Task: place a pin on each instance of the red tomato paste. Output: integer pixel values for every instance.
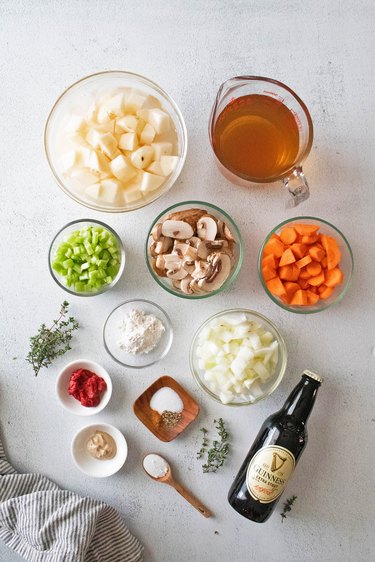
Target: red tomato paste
(86, 387)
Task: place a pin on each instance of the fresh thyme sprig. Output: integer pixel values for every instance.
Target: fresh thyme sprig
(204, 445)
(50, 343)
(287, 507)
(219, 451)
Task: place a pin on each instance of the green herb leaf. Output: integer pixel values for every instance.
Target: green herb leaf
(53, 342)
(219, 451)
(287, 507)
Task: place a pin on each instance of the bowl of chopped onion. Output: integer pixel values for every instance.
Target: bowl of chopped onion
(238, 357)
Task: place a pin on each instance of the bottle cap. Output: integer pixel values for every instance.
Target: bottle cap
(313, 376)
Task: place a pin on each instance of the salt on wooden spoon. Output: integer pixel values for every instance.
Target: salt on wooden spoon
(160, 470)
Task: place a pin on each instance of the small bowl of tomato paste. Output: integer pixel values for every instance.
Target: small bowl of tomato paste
(84, 387)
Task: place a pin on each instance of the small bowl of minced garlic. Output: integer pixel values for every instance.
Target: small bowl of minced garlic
(138, 333)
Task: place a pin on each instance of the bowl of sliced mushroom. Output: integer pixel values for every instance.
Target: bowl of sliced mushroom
(194, 250)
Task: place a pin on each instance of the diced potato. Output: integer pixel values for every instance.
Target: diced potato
(142, 157)
(75, 124)
(97, 161)
(148, 134)
(155, 168)
(70, 159)
(130, 124)
(93, 191)
(161, 149)
(150, 182)
(93, 137)
(84, 176)
(131, 193)
(110, 189)
(122, 169)
(128, 141)
(108, 144)
(134, 101)
(159, 119)
(168, 164)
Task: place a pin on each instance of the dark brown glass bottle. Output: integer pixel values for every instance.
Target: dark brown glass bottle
(272, 458)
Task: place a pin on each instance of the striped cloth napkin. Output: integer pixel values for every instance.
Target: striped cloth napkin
(45, 524)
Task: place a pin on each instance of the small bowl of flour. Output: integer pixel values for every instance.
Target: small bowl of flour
(138, 333)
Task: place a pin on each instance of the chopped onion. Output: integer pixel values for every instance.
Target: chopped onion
(237, 356)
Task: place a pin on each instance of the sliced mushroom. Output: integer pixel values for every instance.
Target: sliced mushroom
(156, 232)
(207, 228)
(163, 245)
(190, 216)
(201, 270)
(185, 285)
(180, 248)
(221, 267)
(193, 241)
(159, 271)
(202, 250)
(152, 250)
(177, 273)
(227, 233)
(160, 262)
(191, 252)
(177, 229)
(171, 261)
(188, 264)
(220, 229)
(193, 285)
(176, 283)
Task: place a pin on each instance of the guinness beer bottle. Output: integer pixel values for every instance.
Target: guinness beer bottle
(272, 458)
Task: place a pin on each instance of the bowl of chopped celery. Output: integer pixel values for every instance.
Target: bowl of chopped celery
(86, 257)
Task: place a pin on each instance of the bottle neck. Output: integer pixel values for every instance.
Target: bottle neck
(301, 400)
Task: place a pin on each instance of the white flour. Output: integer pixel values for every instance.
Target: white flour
(140, 332)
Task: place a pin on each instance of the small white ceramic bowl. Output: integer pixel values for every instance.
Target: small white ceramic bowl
(94, 467)
(69, 402)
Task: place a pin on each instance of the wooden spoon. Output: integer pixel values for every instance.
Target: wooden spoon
(167, 478)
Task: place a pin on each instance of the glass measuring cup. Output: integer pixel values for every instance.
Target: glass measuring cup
(292, 176)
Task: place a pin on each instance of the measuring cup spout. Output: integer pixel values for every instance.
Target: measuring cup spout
(297, 185)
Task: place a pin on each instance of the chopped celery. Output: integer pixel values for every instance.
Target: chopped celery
(88, 259)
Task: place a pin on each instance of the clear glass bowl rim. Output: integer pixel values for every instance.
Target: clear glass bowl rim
(183, 141)
(283, 350)
(169, 327)
(233, 276)
(106, 287)
(303, 310)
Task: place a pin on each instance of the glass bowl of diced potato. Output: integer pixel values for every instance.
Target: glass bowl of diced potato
(115, 141)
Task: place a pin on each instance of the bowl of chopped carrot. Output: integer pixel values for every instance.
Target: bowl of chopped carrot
(305, 265)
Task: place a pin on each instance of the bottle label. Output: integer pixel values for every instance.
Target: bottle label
(268, 473)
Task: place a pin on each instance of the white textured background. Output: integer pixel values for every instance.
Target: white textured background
(325, 51)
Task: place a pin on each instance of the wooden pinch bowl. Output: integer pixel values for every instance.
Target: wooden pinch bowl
(152, 419)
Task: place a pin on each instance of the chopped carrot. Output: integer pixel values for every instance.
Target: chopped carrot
(287, 258)
(314, 268)
(268, 272)
(299, 298)
(299, 250)
(304, 283)
(275, 247)
(312, 298)
(310, 239)
(317, 280)
(288, 235)
(332, 250)
(326, 293)
(274, 235)
(269, 260)
(303, 261)
(289, 272)
(276, 287)
(333, 277)
(291, 288)
(300, 266)
(304, 274)
(317, 253)
(306, 229)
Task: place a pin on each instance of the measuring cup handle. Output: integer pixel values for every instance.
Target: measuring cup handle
(297, 186)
